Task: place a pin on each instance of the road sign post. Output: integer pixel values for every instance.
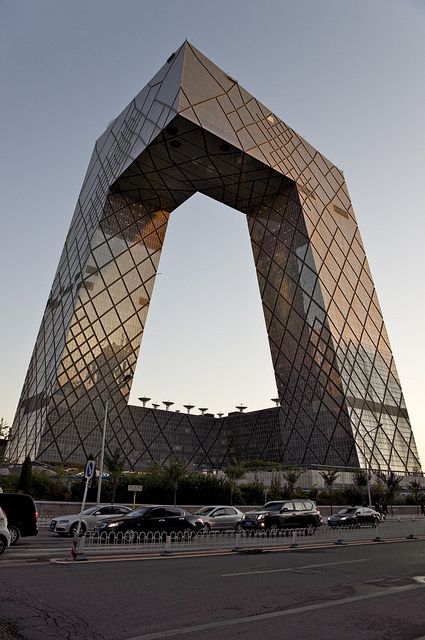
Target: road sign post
(77, 544)
(135, 488)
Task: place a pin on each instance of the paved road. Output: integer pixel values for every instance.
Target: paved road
(44, 545)
(371, 592)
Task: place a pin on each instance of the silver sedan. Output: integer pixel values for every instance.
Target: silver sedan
(64, 525)
(219, 517)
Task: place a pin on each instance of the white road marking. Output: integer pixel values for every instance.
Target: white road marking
(275, 614)
(307, 566)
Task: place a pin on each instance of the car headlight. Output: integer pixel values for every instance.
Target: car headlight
(261, 516)
(112, 524)
(343, 518)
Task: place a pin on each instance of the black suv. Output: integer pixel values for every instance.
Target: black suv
(155, 519)
(21, 515)
(283, 514)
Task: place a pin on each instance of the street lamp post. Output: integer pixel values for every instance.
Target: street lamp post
(102, 452)
(369, 466)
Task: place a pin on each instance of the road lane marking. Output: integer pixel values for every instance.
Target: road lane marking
(307, 566)
(275, 614)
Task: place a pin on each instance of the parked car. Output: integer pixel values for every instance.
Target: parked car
(283, 514)
(4, 532)
(21, 515)
(219, 517)
(157, 519)
(354, 516)
(67, 525)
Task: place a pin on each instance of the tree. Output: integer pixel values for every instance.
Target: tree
(360, 478)
(292, 476)
(392, 486)
(25, 479)
(4, 428)
(114, 462)
(174, 474)
(330, 477)
(275, 490)
(417, 490)
(233, 474)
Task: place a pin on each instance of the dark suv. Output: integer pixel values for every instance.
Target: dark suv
(283, 514)
(21, 515)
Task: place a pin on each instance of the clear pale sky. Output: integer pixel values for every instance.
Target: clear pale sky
(348, 76)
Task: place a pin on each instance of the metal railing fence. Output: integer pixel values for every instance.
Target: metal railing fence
(131, 543)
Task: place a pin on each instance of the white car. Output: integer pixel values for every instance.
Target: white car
(64, 525)
(4, 532)
(219, 517)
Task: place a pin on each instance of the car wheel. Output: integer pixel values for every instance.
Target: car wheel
(74, 527)
(15, 534)
(274, 527)
(238, 528)
(310, 529)
(3, 544)
(206, 528)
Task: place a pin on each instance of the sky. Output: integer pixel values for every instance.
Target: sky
(347, 76)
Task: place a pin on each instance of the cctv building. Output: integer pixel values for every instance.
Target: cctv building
(193, 128)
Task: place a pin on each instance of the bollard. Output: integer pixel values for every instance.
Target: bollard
(294, 539)
(167, 550)
(237, 541)
(77, 549)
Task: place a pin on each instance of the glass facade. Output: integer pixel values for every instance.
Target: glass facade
(194, 128)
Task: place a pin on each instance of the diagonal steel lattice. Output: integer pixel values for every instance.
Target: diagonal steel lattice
(192, 129)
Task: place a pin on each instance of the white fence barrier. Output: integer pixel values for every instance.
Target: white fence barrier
(159, 542)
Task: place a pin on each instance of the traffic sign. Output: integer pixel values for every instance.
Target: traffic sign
(135, 487)
(89, 470)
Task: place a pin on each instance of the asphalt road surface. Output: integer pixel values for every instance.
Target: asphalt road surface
(368, 592)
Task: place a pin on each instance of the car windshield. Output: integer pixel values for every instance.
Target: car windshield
(277, 506)
(204, 511)
(344, 512)
(136, 513)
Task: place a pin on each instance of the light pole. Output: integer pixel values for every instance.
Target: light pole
(369, 466)
(102, 452)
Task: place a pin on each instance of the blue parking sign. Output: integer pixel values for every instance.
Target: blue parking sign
(89, 471)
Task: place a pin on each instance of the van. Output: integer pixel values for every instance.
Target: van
(21, 514)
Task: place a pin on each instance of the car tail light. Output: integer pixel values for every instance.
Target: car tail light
(36, 516)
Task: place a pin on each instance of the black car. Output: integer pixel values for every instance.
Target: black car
(21, 515)
(354, 516)
(152, 519)
(283, 514)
